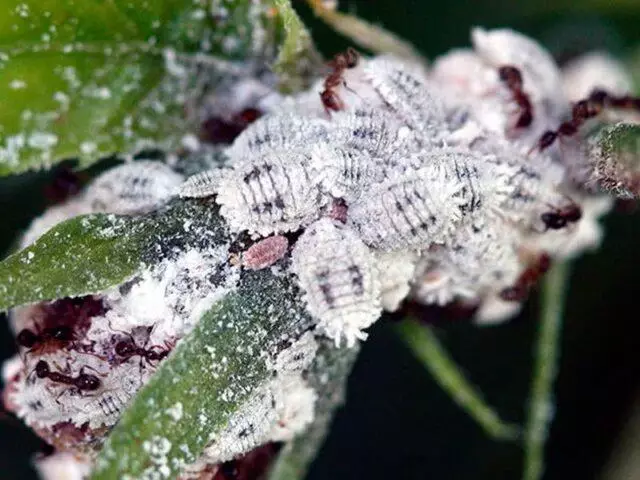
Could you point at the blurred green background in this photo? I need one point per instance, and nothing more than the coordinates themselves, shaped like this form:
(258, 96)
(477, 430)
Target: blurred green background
(397, 423)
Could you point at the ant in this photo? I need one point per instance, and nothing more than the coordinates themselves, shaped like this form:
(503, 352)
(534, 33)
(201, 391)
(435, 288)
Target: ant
(218, 130)
(65, 184)
(84, 381)
(586, 109)
(559, 218)
(339, 64)
(28, 339)
(527, 279)
(512, 78)
(128, 348)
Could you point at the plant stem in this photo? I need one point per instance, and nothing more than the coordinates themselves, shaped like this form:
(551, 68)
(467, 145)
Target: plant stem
(545, 369)
(426, 347)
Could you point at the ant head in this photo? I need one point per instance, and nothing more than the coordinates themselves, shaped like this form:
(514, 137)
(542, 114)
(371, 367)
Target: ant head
(553, 220)
(351, 57)
(125, 348)
(26, 338)
(517, 293)
(85, 381)
(62, 333)
(42, 369)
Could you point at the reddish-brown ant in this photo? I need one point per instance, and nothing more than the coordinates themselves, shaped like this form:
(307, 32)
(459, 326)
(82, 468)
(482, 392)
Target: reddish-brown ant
(28, 339)
(527, 279)
(339, 64)
(559, 218)
(84, 381)
(65, 184)
(512, 78)
(586, 109)
(219, 130)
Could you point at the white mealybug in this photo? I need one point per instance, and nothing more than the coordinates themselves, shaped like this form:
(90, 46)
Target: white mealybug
(482, 256)
(409, 96)
(541, 76)
(203, 184)
(135, 187)
(337, 272)
(411, 212)
(375, 132)
(277, 133)
(344, 173)
(270, 193)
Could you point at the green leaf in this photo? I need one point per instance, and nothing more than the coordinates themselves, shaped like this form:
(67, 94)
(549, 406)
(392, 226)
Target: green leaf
(614, 156)
(208, 377)
(91, 253)
(547, 356)
(87, 79)
(427, 349)
(297, 57)
(328, 377)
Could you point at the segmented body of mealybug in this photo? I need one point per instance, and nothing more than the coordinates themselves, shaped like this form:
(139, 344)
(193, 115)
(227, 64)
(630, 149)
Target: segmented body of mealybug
(479, 257)
(270, 193)
(266, 252)
(482, 255)
(277, 133)
(203, 184)
(374, 132)
(336, 270)
(413, 211)
(107, 407)
(404, 92)
(344, 173)
(477, 183)
(134, 187)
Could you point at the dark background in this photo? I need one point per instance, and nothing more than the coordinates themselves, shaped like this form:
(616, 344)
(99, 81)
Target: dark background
(397, 423)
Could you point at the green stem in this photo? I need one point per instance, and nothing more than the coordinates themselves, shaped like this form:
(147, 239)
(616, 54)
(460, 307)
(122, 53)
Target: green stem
(426, 347)
(545, 369)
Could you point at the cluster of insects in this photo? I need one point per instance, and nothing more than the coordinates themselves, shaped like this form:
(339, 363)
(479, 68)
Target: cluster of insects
(390, 165)
(387, 182)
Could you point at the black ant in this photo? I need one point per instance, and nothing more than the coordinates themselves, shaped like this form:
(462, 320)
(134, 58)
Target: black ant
(84, 381)
(527, 279)
(339, 64)
(559, 218)
(512, 78)
(128, 348)
(586, 109)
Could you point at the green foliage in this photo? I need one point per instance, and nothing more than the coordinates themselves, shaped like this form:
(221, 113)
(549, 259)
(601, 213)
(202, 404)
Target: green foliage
(328, 377)
(207, 378)
(91, 253)
(297, 56)
(87, 79)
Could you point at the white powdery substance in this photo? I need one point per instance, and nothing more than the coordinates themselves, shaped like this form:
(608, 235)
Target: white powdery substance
(396, 271)
(62, 466)
(595, 70)
(172, 296)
